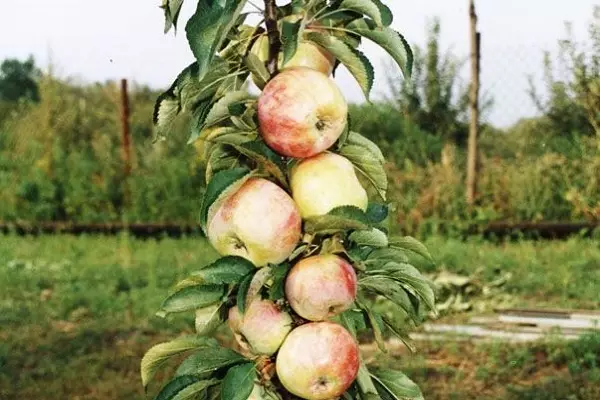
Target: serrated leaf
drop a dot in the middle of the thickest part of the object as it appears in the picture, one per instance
(357, 139)
(220, 159)
(207, 29)
(290, 37)
(171, 9)
(192, 391)
(371, 8)
(226, 270)
(396, 384)
(208, 360)
(399, 332)
(368, 165)
(413, 245)
(191, 298)
(278, 274)
(390, 289)
(222, 184)
(221, 110)
(355, 61)
(243, 292)
(373, 238)
(337, 220)
(382, 256)
(238, 383)
(175, 386)
(257, 68)
(375, 322)
(377, 212)
(388, 39)
(199, 115)
(166, 110)
(365, 382)
(266, 159)
(208, 319)
(159, 354)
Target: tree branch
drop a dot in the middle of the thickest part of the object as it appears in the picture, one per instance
(273, 35)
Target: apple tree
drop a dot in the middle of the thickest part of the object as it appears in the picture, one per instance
(295, 204)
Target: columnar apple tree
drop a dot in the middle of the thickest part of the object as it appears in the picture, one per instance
(295, 204)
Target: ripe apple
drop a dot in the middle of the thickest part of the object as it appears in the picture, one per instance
(320, 287)
(318, 360)
(324, 182)
(308, 54)
(262, 328)
(259, 222)
(301, 112)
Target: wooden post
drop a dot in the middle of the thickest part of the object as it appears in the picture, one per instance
(474, 108)
(125, 129)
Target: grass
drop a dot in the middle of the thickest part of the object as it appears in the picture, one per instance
(77, 314)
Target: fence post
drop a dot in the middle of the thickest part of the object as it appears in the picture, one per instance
(472, 161)
(125, 128)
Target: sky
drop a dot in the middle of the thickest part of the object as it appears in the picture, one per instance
(112, 39)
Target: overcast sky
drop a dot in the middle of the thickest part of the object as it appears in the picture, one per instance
(112, 39)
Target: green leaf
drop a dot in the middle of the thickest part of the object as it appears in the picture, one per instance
(238, 383)
(376, 324)
(377, 212)
(372, 9)
(198, 119)
(290, 37)
(359, 140)
(221, 111)
(208, 319)
(226, 270)
(412, 280)
(220, 159)
(373, 238)
(382, 256)
(413, 245)
(191, 298)
(220, 186)
(337, 220)
(192, 391)
(243, 292)
(176, 385)
(171, 9)
(353, 321)
(278, 274)
(398, 331)
(208, 360)
(388, 39)
(257, 68)
(365, 383)
(368, 165)
(207, 29)
(166, 110)
(355, 61)
(389, 289)
(159, 354)
(266, 159)
(396, 384)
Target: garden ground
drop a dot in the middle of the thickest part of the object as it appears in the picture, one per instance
(77, 314)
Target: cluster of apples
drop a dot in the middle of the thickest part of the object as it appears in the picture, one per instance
(301, 114)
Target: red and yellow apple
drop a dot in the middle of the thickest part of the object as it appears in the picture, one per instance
(259, 222)
(324, 182)
(262, 328)
(301, 112)
(320, 287)
(318, 361)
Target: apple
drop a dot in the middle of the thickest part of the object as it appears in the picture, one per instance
(262, 328)
(259, 222)
(301, 112)
(324, 182)
(321, 286)
(308, 54)
(318, 360)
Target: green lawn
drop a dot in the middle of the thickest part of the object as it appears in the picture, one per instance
(76, 315)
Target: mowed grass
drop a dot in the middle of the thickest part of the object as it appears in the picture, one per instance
(77, 314)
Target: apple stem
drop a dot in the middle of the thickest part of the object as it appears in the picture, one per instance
(273, 35)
